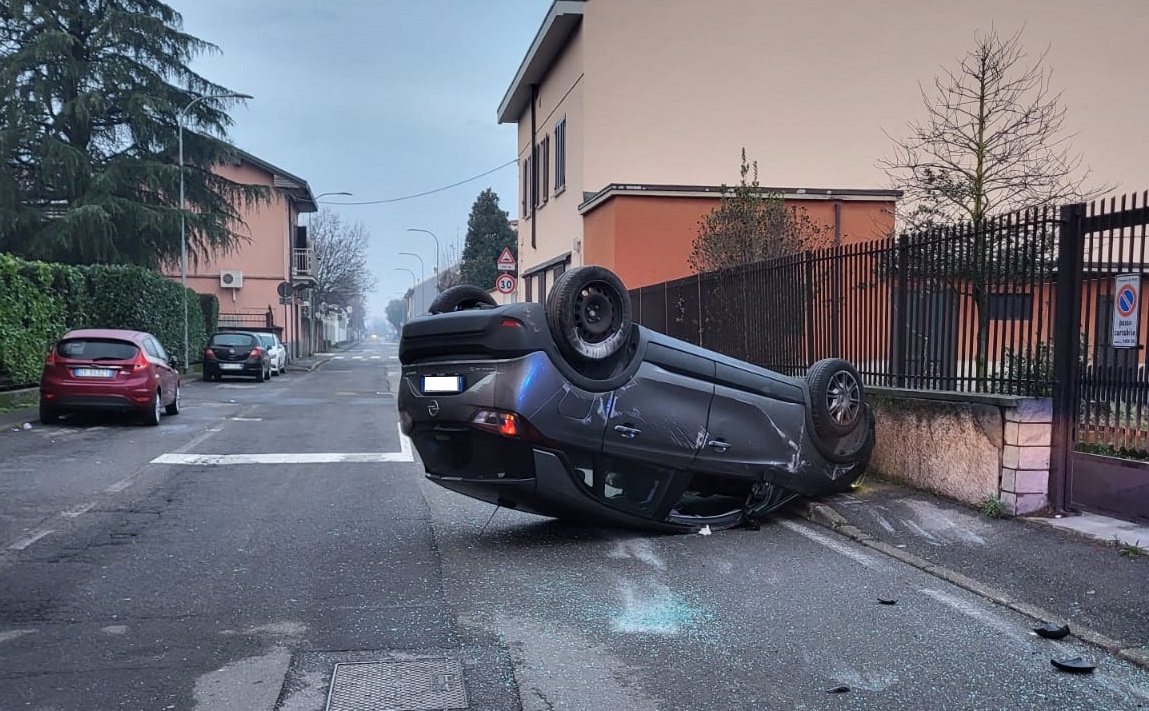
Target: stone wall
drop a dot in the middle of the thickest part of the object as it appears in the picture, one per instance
(968, 447)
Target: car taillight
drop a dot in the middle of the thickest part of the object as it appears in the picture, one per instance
(140, 363)
(255, 353)
(511, 323)
(208, 353)
(507, 424)
(51, 357)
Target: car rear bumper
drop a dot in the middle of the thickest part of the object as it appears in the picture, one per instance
(81, 402)
(224, 368)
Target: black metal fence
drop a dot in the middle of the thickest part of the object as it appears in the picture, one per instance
(955, 308)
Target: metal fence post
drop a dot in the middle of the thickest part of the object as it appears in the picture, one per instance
(1066, 337)
(901, 308)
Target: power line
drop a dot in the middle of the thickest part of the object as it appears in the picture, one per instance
(429, 192)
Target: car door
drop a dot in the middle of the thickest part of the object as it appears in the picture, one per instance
(755, 424)
(161, 364)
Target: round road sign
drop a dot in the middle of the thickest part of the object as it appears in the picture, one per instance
(505, 283)
(1126, 300)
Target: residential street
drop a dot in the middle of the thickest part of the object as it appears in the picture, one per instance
(231, 557)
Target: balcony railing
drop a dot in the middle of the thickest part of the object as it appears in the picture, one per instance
(302, 265)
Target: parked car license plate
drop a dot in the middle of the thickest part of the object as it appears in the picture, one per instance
(231, 366)
(442, 383)
(94, 373)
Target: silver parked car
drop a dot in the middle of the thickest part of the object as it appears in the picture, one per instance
(276, 351)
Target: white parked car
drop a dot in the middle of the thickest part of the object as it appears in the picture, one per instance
(276, 351)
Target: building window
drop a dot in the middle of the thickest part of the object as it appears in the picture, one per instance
(560, 155)
(545, 173)
(1010, 307)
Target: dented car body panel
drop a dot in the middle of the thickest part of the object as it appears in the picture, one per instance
(664, 435)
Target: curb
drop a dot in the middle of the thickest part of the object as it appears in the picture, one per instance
(827, 516)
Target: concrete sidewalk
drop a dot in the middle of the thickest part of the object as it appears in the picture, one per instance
(1088, 571)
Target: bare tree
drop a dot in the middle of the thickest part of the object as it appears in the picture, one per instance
(341, 272)
(451, 275)
(992, 142)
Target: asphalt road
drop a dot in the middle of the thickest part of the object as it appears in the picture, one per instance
(233, 556)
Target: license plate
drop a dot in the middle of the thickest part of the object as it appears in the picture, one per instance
(94, 373)
(231, 366)
(442, 383)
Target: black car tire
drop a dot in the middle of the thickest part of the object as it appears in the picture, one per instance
(836, 398)
(460, 298)
(48, 416)
(174, 408)
(152, 416)
(589, 313)
(259, 375)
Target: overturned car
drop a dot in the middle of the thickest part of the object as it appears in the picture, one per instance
(571, 410)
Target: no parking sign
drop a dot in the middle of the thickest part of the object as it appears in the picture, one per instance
(1126, 310)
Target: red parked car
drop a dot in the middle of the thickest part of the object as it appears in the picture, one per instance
(109, 370)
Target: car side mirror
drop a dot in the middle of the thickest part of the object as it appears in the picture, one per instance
(174, 361)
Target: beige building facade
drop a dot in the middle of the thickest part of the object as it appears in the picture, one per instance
(668, 92)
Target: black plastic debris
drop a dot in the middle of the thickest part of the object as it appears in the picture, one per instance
(887, 601)
(1076, 665)
(838, 689)
(1052, 631)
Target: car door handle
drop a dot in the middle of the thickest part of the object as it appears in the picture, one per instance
(627, 432)
(719, 445)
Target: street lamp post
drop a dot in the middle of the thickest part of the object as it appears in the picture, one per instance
(416, 229)
(413, 283)
(183, 226)
(422, 270)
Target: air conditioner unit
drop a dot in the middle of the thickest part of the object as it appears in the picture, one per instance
(231, 278)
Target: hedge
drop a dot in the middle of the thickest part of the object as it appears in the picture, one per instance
(40, 302)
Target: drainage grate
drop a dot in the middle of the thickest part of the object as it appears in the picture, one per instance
(415, 685)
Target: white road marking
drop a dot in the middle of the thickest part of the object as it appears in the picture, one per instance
(246, 419)
(339, 357)
(834, 545)
(30, 539)
(77, 510)
(119, 486)
(405, 454)
(978, 613)
(376, 357)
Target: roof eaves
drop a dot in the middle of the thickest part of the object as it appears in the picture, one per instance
(295, 186)
(561, 20)
(593, 200)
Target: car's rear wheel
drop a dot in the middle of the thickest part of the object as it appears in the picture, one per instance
(589, 313)
(174, 407)
(460, 298)
(152, 416)
(259, 376)
(836, 397)
(48, 416)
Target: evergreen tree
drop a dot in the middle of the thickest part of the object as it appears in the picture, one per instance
(488, 232)
(750, 225)
(90, 95)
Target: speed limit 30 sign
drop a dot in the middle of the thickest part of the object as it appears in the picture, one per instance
(505, 283)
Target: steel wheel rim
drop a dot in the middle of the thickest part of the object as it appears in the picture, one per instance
(843, 398)
(596, 314)
(158, 407)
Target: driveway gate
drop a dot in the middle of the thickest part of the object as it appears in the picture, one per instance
(1101, 397)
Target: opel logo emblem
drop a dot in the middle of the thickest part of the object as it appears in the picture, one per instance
(433, 408)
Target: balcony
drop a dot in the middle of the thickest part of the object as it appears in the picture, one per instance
(303, 266)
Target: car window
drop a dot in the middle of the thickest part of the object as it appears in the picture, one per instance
(97, 348)
(150, 347)
(267, 340)
(233, 339)
(160, 349)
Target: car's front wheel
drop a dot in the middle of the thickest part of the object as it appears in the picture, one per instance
(836, 397)
(174, 407)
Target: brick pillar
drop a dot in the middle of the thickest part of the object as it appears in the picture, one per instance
(1025, 456)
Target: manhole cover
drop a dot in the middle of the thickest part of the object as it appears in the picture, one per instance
(414, 685)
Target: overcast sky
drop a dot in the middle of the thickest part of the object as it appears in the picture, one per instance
(380, 98)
